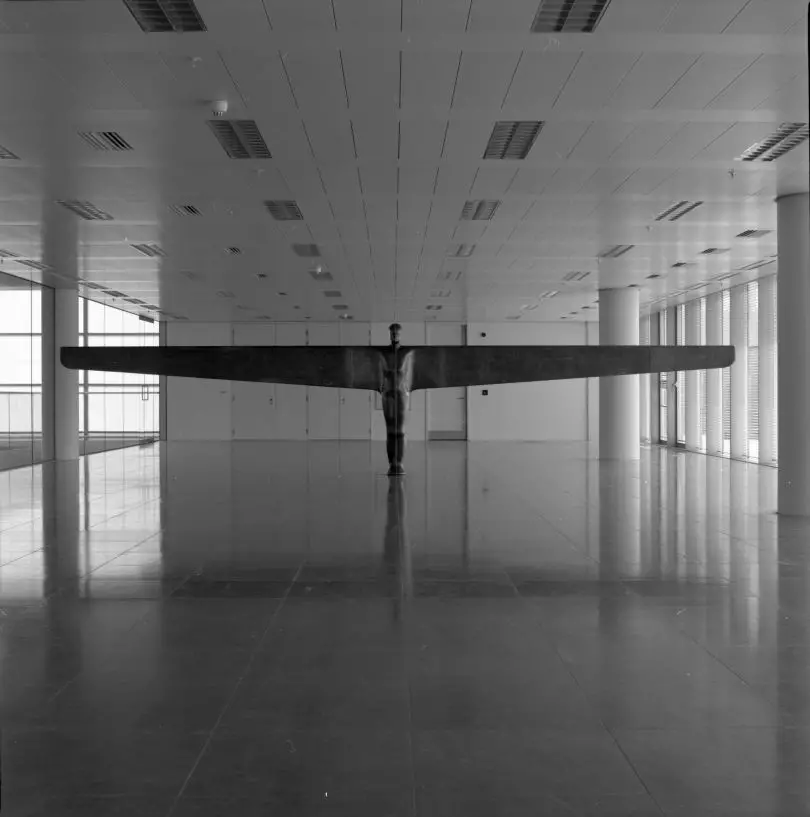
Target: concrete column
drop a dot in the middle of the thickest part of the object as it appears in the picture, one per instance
(693, 440)
(60, 386)
(714, 377)
(739, 373)
(767, 368)
(619, 426)
(793, 216)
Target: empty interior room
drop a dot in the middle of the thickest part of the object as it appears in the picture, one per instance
(403, 408)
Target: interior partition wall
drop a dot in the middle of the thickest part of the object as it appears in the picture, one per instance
(116, 409)
(736, 407)
(20, 372)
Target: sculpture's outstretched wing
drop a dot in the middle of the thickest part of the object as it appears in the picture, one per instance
(442, 366)
(349, 367)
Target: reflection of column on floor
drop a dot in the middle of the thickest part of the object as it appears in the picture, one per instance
(696, 513)
(397, 547)
(744, 572)
(718, 564)
(619, 520)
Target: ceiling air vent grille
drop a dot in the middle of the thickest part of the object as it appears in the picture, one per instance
(786, 137)
(433, 307)
(714, 251)
(340, 307)
(617, 251)
(450, 275)
(5, 153)
(105, 140)
(225, 293)
(513, 317)
(233, 250)
(346, 317)
(544, 296)
(185, 210)
(654, 275)
(192, 276)
(240, 138)
(8, 254)
(114, 293)
(681, 264)
(284, 210)
(575, 276)
(33, 264)
(149, 250)
(441, 293)
(307, 250)
(479, 210)
(462, 251)
(753, 233)
(678, 210)
(332, 293)
(85, 209)
(568, 15)
(512, 140)
(91, 285)
(154, 16)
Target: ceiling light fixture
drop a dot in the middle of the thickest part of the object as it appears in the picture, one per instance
(479, 210)
(787, 136)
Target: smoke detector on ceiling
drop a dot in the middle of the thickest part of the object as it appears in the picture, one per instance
(219, 107)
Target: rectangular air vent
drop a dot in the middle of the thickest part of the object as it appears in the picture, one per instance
(114, 293)
(306, 250)
(105, 140)
(85, 209)
(233, 250)
(753, 233)
(441, 293)
(284, 210)
(192, 276)
(340, 307)
(149, 250)
(225, 293)
(332, 293)
(240, 138)
(575, 276)
(681, 264)
(513, 317)
(568, 15)
(146, 319)
(33, 264)
(321, 275)
(8, 254)
(512, 139)
(786, 137)
(544, 296)
(479, 210)
(433, 307)
(91, 285)
(714, 251)
(450, 275)
(185, 210)
(5, 153)
(462, 251)
(154, 16)
(678, 211)
(654, 275)
(617, 251)
(346, 317)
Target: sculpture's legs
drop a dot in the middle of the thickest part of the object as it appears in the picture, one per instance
(395, 446)
(394, 411)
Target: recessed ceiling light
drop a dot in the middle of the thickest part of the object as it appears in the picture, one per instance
(105, 140)
(261, 275)
(159, 15)
(462, 251)
(185, 210)
(306, 250)
(678, 211)
(654, 275)
(512, 139)
(240, 138)
(582, 16)
(753, 233)
(714, 251)
(479, 210)
(284, 210)
(786, 137)
(617, 251)
(233, 251)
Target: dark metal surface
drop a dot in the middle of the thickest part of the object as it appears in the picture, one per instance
(362, 367)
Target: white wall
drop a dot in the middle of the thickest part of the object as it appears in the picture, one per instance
(224, 410)
(556, 410)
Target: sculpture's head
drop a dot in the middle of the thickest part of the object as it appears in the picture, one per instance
(395, 329)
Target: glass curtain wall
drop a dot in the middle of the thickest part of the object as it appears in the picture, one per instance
(680, 382)
(116, 409)
(663, 396)
(755, 390)
(20, 372)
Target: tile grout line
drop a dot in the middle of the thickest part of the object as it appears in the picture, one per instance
(232, 696)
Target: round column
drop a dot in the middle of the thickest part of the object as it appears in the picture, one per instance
(793, 307)
(619, 402)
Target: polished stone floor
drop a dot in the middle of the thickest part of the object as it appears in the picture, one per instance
(512, 629)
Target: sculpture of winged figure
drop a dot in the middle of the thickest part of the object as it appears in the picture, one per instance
(395, 370)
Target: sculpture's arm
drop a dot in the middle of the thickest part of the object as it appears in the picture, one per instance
(348, 367)
(443, 366)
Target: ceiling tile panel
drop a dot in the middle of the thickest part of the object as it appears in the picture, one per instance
(421, 140)
(756, 84)
(636, 16)
(147, 77)
(379, 179)
(692, 17)
(413, 213)
(531, 181)
(594, 80)
(764, 17)
(557, 140)
(381, 210)
(645, 141)
(372, 80)
(710, 75)
(293, 15)
(201, 77)
(483, 79)
(492, 182)
(691, 139)
(605, 180)
(428, 78)
(233, 17)
(317, 80)
(455, 180)
(600, 141)
(568, 180)
(67, 18)
(367, 16)
(650, 79)
(644, 181)
(467, 140)
(539, 79)
(260, 79)
(418, 181)
(448, 16)
(502, 15)
(376, 137)
(330, 136)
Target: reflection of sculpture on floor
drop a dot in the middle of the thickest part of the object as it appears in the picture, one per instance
(397, 550)
(395, 371)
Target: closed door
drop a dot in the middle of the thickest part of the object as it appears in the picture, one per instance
(446, 408)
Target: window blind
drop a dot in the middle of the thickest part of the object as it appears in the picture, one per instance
(753, 370)
(701, 395)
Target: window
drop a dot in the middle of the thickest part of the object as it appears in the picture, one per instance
(753, 371)
(20, 372)
(680, 381)
(116, 408)
(702, 395)
(663, 397)
(726, 403)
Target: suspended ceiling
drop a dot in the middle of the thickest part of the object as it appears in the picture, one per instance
(377, 115)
